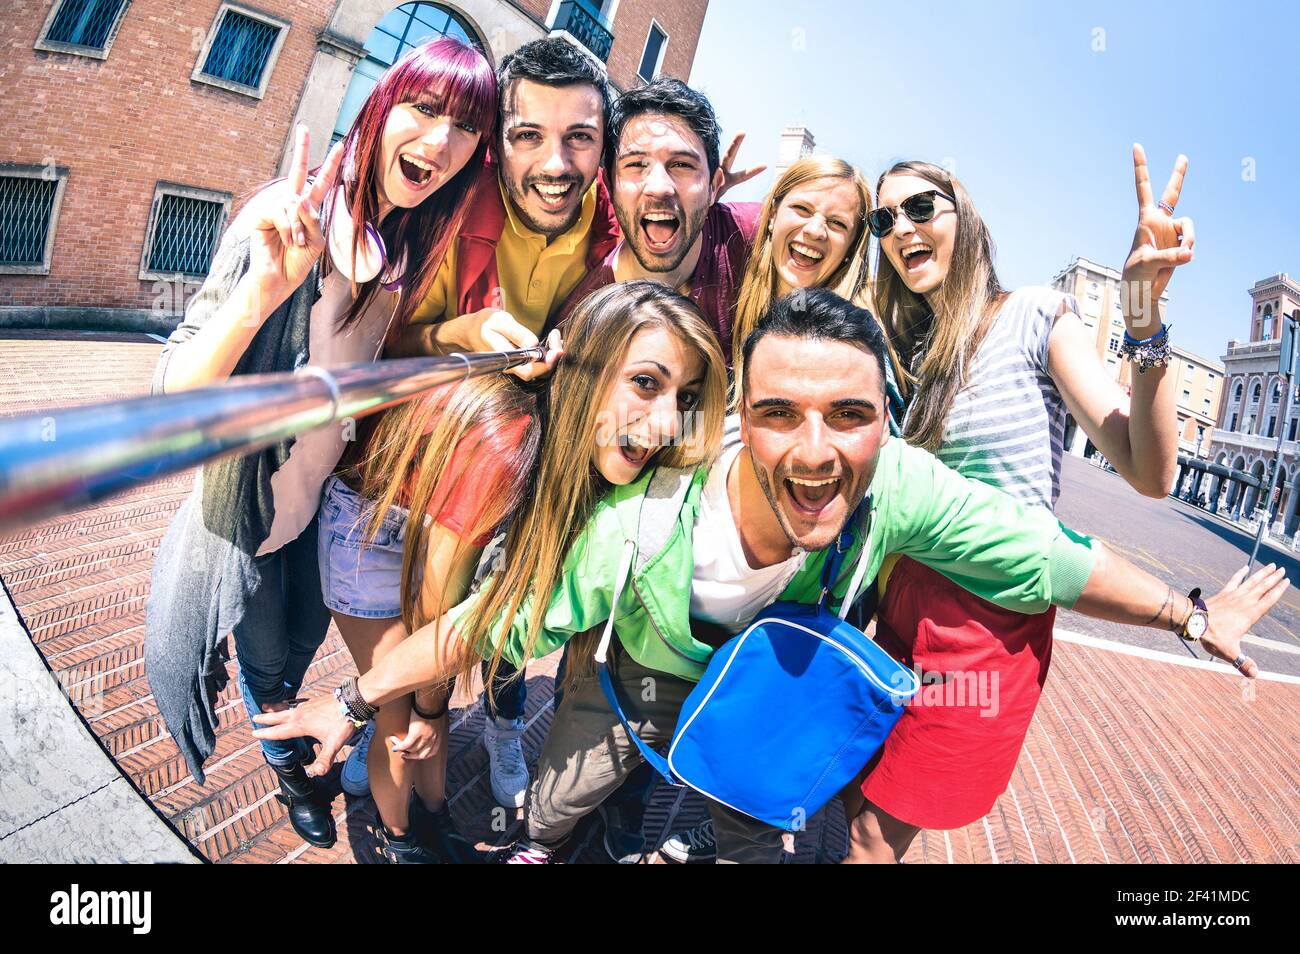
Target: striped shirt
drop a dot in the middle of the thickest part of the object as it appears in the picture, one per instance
(1006, 427)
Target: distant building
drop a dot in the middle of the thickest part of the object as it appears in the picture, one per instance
(1198, 392)
(134, 129)
(795, 143)
(1198, 381)
(1252, 416)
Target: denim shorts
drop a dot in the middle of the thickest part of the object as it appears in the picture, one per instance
(355, 581)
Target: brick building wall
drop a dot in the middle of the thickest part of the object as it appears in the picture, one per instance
(537, 9)
(123, 123)
(682, 20)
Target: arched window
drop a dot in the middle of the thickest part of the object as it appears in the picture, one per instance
(1237, 394)
(1254, 394)
(402, 29)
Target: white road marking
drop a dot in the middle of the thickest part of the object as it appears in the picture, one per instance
(1222, 669)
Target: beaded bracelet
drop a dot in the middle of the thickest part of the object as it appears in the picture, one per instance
(1153, 352)
(354, 708)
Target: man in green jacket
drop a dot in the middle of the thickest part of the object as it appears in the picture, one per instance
(706, 549)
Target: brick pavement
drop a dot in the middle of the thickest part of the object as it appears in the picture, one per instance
(1128, 759)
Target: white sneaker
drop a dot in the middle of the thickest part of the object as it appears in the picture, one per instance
(501, 738)
(693, 846)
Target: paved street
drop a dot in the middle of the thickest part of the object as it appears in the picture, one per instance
(1181, 544)
(1133, 755)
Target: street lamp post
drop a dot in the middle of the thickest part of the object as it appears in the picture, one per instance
(1286, 366)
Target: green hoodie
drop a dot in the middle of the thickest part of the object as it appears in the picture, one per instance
(1020, 558)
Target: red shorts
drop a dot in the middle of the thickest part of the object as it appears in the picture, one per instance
(953, 751)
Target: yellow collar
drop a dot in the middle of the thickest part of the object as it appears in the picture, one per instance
(564, 243)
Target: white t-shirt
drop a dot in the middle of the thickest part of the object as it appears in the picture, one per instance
(725, 589)
(296, 487)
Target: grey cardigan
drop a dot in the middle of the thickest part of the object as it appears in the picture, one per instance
(204, 574)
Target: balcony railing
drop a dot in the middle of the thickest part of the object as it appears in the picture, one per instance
(1253, 347)
(1255, 441)
(585, 25)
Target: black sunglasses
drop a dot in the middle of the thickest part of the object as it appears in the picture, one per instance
(918, 208)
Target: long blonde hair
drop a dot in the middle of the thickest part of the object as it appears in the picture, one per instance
(937, 339)
(422, 449)
(849, 281)
(567, 486)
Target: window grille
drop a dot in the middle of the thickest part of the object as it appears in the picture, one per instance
(184, 234)
(240, 50)
(26, 207)
(87, 23)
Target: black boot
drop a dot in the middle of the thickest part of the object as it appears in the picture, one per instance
(405, 849)
(436, 830)
(308, 814)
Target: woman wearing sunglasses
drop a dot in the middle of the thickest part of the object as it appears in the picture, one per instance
(991, 375)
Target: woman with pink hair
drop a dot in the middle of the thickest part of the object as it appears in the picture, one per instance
(322, 270)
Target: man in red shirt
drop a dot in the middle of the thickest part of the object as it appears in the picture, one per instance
(666, 180)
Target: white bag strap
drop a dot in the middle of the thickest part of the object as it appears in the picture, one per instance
(859, 572)
(624, 569)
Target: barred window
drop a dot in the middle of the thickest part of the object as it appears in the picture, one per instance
(29, 204)
(240, 50)
(183, 230)
(82, 26)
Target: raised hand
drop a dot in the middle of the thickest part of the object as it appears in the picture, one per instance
(317, 718)
(732, 179)
(1161, 242)
(286, 237)
(1238, 607)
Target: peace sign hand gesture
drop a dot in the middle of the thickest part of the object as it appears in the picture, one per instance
(1161, 243)
(286, 235)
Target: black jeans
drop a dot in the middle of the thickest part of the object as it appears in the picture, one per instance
(284, 624)
(509, 692)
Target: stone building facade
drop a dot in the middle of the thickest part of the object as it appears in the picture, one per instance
(1256, 411)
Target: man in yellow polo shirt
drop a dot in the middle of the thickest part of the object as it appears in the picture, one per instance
(533, 270)
(541, 218)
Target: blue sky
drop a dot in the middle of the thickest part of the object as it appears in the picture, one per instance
(1035, 106)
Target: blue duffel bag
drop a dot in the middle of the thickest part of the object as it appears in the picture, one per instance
(788, 711)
